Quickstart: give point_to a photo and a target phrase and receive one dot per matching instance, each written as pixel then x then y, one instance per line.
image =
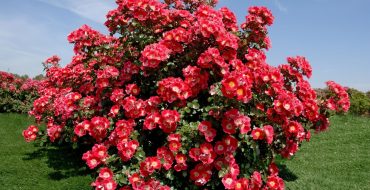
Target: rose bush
pixel 16 93
pixel 178 96
pixel 360 102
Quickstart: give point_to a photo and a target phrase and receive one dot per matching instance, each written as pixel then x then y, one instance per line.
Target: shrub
pixel 16 93
pixel 177 96
pixel 360 102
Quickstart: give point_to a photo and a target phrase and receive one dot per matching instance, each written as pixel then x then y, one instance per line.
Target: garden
pixel 336 159
pixel 179 96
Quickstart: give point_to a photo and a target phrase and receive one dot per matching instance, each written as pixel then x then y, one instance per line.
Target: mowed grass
pixel 24 166
pixel 336 159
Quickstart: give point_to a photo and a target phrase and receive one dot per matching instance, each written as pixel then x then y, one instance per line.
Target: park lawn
pixel 24 166
pixel 336 159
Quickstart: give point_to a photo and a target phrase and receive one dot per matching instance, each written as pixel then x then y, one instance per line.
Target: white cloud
pixel 24 44
pixel 94 10
pixel 19 61
pixel 26 40
pixel 20 32
pixel 280 6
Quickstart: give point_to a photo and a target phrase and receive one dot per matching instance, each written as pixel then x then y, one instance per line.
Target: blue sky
pixel 334 35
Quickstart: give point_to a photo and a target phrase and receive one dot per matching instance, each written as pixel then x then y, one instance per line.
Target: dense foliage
pixel 16 93
pixel 177 96
pixel 360 101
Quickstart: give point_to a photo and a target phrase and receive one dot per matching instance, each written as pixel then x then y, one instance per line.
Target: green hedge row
pixel 17 93
pixel 16 102
pixel 360 101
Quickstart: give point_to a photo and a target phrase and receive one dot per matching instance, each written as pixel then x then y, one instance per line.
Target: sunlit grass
pixel 24 166
pixel 336 159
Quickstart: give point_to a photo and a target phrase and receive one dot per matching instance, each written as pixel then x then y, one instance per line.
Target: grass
pixel 336 159
pixel 26 167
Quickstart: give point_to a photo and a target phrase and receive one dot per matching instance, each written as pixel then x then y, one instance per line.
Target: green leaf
pixel 187 110
pixel 169 175
pixel 74 146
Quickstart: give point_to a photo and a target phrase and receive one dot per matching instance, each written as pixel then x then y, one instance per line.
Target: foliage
pixel 360 102
pixel 17 93
pixel 178 97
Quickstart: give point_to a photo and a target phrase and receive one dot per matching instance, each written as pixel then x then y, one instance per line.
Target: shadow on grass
pixel 65 161
pixel 285 173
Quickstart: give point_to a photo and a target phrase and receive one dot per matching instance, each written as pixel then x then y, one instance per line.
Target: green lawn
pixel 336 159
pixel 24 166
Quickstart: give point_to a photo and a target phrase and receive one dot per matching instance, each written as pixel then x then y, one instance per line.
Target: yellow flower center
pixel 154 164
pixel 292 128
pixel 272 183
pixel 238 185
pixel 240 92
pixel 258 134
pixel 231 84
pixel 135 179
pixel 181 159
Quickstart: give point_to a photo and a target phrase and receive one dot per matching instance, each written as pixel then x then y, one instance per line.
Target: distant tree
pixel 39 77
pixel 360 102
pixel 21 76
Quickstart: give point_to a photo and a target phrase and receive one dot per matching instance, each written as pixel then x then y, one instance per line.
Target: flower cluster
pixel 153 54
pixel 256 22
pixel 237 85
pixel 339 102
pixel 17 92
pixel 105 180
pixel 9 81
pixel 195 79
pixel 172 89
pixel 96 156
pixel 52 61
pixel 177 98
pixel 300 63
pixel 54 131
pixel 30 133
